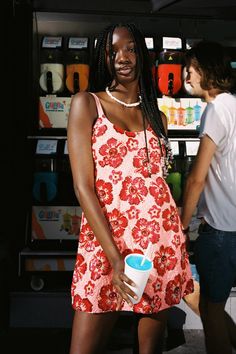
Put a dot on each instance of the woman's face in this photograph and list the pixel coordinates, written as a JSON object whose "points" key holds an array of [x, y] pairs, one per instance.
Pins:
{"points": [[194, 80], [124, 54]]}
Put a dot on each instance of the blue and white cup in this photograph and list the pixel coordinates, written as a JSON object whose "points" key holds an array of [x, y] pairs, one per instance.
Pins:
{"points": [[138, 273]]}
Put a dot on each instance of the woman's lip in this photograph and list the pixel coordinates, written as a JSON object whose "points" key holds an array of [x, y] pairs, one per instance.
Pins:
{"points": [[124, 71]]}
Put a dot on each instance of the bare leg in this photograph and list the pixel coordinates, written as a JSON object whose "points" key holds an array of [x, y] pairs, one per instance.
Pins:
{"points": [[192, 300], [151, 329], [213, 317], [91, 331]]}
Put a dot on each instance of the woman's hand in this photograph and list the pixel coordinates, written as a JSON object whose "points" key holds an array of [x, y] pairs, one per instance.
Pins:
{"points": [[121, 282]]}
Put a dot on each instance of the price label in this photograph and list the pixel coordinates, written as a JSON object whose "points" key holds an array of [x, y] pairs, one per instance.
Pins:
{"points": [[192, 147], [174, 147], [149, 42], [46, 147], [52, 42], [78, 43], [172, 43]]}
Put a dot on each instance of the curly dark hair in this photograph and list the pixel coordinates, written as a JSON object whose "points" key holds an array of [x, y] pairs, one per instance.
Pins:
{"points": [[212, 61]]}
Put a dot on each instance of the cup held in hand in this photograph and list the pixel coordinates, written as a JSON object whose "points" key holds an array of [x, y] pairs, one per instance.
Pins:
{"points": [[138, 273]]}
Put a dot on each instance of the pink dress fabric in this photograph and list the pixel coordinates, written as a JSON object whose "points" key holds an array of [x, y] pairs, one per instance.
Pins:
{"points": [[140, 210]]}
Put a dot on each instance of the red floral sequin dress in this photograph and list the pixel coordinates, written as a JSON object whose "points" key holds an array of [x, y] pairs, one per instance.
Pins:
{"points": [[140, 210]]}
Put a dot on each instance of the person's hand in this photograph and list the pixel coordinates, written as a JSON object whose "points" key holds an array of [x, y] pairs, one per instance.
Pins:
{"points": [[121, 282]]}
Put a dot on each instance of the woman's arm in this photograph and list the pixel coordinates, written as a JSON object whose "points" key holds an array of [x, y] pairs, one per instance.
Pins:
{"points": [[81, 119], [83, 114]]}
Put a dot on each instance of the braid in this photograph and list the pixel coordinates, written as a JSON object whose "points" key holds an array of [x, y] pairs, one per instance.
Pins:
{"points": [[148, 94]]}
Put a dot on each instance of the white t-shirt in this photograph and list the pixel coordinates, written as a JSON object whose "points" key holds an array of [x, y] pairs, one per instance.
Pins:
{"points": [[217, 203]]}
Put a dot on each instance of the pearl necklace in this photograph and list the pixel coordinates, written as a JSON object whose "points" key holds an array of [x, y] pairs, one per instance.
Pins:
{"points": [[128, 105]]}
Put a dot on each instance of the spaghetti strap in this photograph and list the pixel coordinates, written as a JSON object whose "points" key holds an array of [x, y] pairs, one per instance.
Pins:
{"points": [[98, 104]]}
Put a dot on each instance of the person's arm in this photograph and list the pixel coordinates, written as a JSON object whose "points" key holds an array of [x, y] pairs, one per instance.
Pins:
{"points": [[82, 116], [81, 119], [196, 179]]}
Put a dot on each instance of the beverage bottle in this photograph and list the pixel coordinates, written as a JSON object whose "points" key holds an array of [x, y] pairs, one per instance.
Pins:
{"points": [[189, 114], [172, 112], [197, 111], [180, 113], [165, 109]]}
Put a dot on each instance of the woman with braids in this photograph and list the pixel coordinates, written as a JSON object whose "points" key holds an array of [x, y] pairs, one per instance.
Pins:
{"points": [[119, 155]]}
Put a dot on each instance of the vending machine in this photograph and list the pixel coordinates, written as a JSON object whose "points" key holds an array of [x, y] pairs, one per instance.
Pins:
{"points": [[54, 217]]}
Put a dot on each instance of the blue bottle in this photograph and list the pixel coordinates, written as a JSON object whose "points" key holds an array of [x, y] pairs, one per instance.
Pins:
{"points": [[197, 111]]}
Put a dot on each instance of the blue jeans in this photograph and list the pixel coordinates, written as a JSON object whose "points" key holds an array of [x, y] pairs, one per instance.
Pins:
{"points": [[215, 257]]}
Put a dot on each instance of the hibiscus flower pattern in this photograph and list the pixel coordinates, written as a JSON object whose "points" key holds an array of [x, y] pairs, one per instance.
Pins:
{"points": [[118, 222], [144, 305], [80, 268], [156, 303], [80, 304], [104, 192], [133, 190], [145, 232], [141, 162], [171, 219], [174, 291], [160, 192], [99, 265], [165, 260], [87, 238], [140, 211], [189, 287], [113, 153], [107, 300], [99, 128]]}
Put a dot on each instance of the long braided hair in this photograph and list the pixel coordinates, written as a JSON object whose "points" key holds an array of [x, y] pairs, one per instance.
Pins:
{"points": [[101, 77]]}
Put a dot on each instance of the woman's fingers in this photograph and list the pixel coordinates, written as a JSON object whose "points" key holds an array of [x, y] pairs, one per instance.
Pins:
{"points": [[124, 278], [124, 290]]}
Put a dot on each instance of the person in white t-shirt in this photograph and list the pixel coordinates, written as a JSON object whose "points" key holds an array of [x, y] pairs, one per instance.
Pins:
{"points": [[211, 187]]}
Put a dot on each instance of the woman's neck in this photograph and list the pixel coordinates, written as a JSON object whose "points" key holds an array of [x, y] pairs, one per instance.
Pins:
{"points": [[129, 92]]}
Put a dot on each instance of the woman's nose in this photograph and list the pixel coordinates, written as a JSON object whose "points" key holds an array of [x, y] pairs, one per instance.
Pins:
{"points": [[187, 79], [122, 56]]}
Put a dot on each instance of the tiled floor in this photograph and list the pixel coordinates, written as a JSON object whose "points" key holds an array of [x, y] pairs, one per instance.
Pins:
{"points": [[194, 344]]}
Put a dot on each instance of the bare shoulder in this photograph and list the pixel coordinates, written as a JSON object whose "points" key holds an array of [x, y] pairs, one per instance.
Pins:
{"points": [[83, 106], [82, 97]]}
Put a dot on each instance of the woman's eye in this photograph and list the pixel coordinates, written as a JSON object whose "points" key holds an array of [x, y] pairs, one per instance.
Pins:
{"points": [[132, 50]]}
